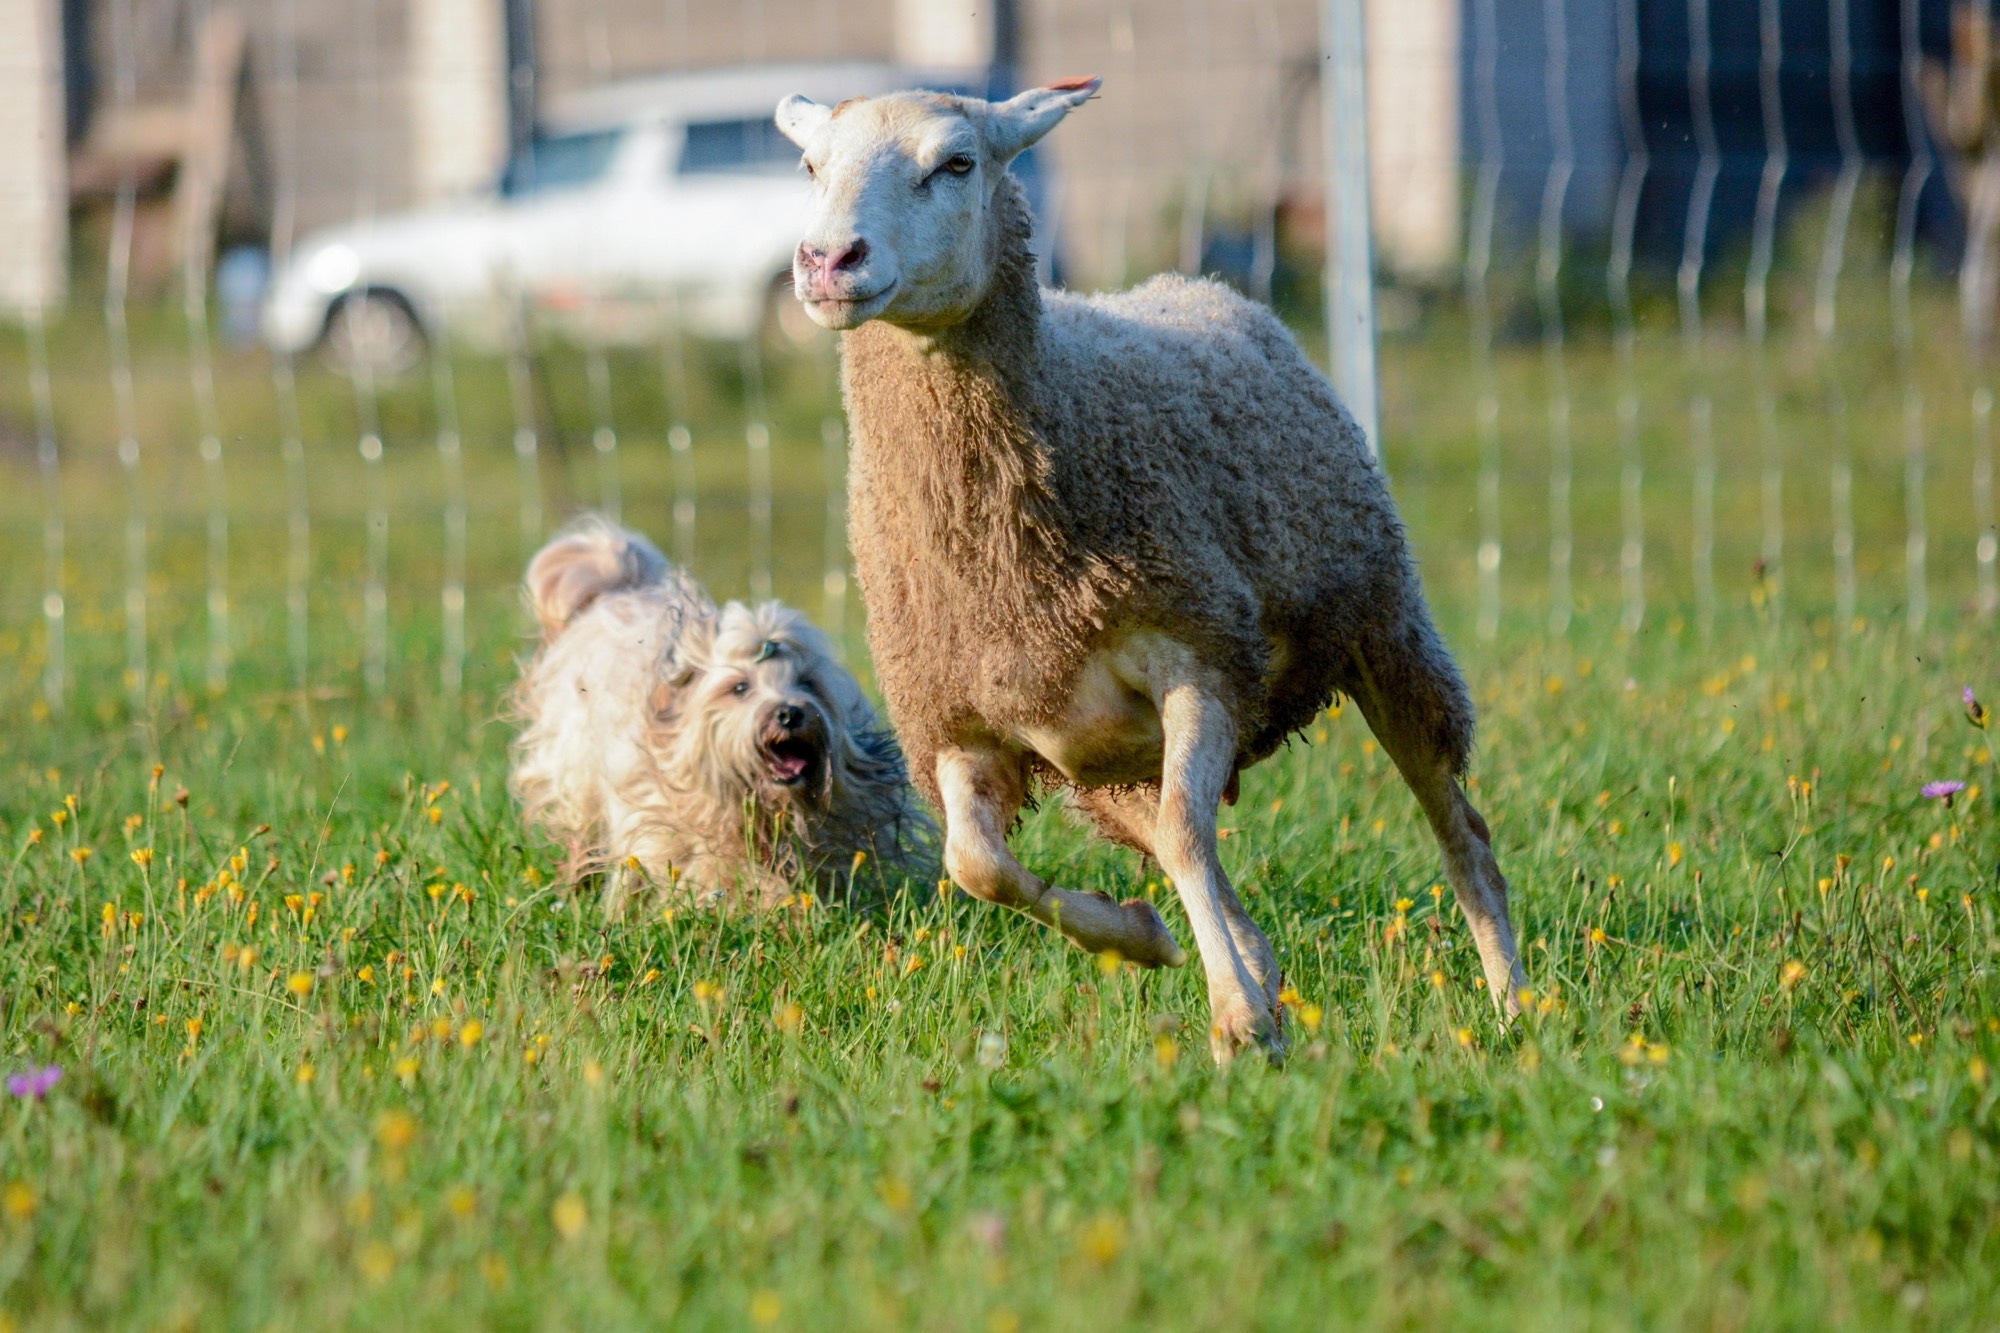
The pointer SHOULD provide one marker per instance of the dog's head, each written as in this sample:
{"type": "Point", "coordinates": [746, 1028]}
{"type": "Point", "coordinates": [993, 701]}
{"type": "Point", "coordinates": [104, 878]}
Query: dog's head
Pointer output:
{"type": "Point", "coordinates": [756, 705]}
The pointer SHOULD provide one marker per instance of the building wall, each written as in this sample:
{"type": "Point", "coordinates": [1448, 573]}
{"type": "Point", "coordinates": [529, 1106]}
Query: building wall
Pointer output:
{"type": "Point", "coordinates": [1208, 119]}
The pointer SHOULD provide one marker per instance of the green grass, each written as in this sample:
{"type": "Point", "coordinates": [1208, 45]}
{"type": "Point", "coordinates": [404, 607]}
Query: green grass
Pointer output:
{"type": "Point", "coordinates": [1756, 1088]}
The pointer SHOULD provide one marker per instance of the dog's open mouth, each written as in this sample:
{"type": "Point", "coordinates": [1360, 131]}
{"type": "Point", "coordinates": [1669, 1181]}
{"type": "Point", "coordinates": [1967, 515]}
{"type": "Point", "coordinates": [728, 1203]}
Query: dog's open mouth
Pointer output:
{"type": "Point", "coordinates": [792, 760]}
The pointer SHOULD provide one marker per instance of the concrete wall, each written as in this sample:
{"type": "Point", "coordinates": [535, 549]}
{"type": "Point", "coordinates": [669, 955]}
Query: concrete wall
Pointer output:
{"type": "Point", "coordinates": [458, 116]}
{"type": "Point", "coordinates": [33, 183]}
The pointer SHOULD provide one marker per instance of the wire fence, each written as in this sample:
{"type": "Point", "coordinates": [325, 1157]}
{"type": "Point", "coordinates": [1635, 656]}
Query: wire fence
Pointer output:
{"type": "Point", "coordinates": [1630, 378]}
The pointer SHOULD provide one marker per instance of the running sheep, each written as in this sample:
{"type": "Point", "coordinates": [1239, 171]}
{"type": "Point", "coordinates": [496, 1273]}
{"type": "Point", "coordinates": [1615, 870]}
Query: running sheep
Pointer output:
{"type": "Point", "coordinates": [1123, 545]}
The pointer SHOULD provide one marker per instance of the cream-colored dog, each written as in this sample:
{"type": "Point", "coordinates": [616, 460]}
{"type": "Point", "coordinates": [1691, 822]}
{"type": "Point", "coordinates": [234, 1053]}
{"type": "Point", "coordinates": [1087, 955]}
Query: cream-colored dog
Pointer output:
{"type": "Point", "coordinates": [723, 752]}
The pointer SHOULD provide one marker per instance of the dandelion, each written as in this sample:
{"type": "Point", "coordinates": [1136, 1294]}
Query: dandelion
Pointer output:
{"type": "Point", "coordinates": [569, 1215]}
{"type": "Point", "coordinates": [377, 1261]}
{"type": "Point", "coordinates": [1108, 961]}
{"type": "Point", "coordinates": [765, 1307]}
{"type": "Point", "coordinates": [35, 1083]}
{"type": "Point", "coordinates": [81, 854]}
{"type": "Point", "coordinates": [1674, 854]}
{"type": "Point", "coordinates": [142, 857]}
{"type": "Point", "coordinates": [19, 1200]}
{"type": "Point", "coordinates": [395, 1130]}
{"type": "Point", "coordinates": [1309, 1016]}
{"type": "Point", "coordinates": [469, 1035]}
{"type": "Point", "coordinates": [1103, 1239]}
{"type": "Point", "coordinates": [593, 1073]}
{"type": "Point", "coordinates": [299, 984]}
{"type": "Point", "coordinates": [306, 1074]}
{"type": "Point", "coordinates": [1464, 1036]}
{"type": "Point", "coordinates": [1792, 974]}
{"type": "Point", "coordinates": [1165, 1051]}
{"type": "Point", "coordinates": [1943, 791]}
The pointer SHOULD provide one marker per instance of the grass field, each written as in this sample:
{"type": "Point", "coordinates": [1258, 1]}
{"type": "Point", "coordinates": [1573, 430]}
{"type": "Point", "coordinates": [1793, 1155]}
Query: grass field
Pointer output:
{"type": "Point", "coordinates": [336, 1051]}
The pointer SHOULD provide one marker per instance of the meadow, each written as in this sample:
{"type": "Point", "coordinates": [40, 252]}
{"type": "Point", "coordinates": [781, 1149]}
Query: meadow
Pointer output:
{"type": "Point", "coordinates": [336, 1048]}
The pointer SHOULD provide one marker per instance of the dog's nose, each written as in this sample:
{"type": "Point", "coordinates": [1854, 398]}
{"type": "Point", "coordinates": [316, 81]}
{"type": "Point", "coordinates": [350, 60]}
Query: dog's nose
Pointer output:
{"type": "Point", "coordinates": [790, 716]}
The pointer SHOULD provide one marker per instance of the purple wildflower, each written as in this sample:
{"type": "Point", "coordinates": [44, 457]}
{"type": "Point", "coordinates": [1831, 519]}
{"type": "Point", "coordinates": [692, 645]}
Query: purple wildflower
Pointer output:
{"type": "Point", "coordinates": [1975, 711]}
{"type": "Point", "coordinates": [1943, 791]}
{"type": "Point", "coordinates": [35, 1083]}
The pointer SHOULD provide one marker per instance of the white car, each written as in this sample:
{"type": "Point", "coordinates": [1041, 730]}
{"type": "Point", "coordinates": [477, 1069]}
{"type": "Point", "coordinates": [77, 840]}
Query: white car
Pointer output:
{"type": "Point", "coordinates": [667, 198]}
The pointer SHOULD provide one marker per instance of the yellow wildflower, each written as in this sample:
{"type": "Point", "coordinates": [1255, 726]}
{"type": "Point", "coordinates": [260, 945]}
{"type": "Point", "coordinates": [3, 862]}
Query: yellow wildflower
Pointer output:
{"type": "Point", "coordinates": [569, 1216]}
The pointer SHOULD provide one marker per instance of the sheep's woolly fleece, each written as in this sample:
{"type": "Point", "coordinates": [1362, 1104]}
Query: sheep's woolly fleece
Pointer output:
{"type": "Point", "coordinates": [1159, 458]}
{"type": "Point", "coordinates": [650, 733]}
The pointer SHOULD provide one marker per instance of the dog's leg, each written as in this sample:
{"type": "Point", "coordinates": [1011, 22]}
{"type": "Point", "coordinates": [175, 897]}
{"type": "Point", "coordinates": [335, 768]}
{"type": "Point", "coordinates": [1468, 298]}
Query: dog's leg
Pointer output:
{"type": "Point", "coordinates": [1462, 836]}
{"type": "Point", "coordinates": [982, 793]}
{"type": "Point", "coordinates": [1199, 740]}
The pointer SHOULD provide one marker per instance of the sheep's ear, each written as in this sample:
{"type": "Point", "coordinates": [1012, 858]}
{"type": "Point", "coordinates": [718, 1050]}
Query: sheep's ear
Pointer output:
{"type": "Point", "coordinates": [1014, 125]}
{"type": "Point", "coordinates": [799, 118]}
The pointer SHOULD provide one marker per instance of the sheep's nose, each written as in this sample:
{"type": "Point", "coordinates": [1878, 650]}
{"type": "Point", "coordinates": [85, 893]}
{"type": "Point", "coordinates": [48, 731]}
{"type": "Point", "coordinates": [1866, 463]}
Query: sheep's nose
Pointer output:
{"type": "Point", "coordinates": [790, 716]}
{"type": "Point", "coordinates": [820, 257]}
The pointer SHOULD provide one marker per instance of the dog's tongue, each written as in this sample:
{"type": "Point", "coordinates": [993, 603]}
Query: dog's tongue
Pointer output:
{"type": "Point", "coordinates": [787, 766]}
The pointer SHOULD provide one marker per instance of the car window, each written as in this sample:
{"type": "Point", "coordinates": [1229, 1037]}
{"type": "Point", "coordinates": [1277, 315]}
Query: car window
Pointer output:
{"type": "Point", "coordinates": [752, 144]}
{"type": "Point", "coordinates": [560, 162]}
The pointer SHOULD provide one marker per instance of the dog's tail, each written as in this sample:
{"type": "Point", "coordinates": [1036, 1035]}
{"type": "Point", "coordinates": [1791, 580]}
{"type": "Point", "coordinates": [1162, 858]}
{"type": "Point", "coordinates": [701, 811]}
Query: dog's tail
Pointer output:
{"type": "Point", "coordinates": [591, 557]}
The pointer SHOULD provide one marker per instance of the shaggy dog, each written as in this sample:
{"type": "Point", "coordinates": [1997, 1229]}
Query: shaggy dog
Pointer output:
{"type": "Point", "coordinates": [724, 752]}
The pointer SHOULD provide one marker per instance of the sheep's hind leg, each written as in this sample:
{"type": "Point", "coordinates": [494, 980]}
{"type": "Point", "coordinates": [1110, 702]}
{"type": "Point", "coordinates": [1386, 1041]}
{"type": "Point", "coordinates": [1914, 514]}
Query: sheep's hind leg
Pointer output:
{"type": "Point", "coordinates": [982, 793]}
{"type": "Point", "coordinates": [1462, 836]}
{"type": "Point", "coordinates": [1131, 815]}
{"type": "Point", "coordinates": [1200, 744]}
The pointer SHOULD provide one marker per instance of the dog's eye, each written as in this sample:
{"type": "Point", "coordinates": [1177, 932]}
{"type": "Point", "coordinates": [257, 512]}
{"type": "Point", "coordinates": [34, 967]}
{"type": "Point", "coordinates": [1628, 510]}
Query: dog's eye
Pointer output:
{"type": "Point", "coordinates": [740, 687]}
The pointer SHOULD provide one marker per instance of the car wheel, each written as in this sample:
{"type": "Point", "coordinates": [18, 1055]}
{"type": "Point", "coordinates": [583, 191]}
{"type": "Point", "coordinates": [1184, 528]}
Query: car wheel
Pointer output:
{"type": "Point", "coordinates": [786, 323]}
{"type": "Point", "coordinates": [372, 331]}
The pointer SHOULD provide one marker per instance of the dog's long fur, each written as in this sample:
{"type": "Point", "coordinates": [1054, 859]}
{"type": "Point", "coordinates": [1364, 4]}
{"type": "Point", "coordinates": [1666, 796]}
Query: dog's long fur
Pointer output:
{"type": "Point", "coordinates": [724, 751]}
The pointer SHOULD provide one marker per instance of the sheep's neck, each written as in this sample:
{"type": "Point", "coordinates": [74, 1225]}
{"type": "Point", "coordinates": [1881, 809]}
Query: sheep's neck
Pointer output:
{"type": "Point", "coordinates": [946, 428]}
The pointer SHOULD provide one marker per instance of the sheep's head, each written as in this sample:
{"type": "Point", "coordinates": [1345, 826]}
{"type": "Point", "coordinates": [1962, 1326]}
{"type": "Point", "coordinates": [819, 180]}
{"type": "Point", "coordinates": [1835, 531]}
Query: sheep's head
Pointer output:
{"type": "Point", "coordinates": [902, 223]}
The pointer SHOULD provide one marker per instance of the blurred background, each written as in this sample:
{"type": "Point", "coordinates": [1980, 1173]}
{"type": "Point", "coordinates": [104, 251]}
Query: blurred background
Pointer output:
{"type": "Point", "coordinates": [316, 316]}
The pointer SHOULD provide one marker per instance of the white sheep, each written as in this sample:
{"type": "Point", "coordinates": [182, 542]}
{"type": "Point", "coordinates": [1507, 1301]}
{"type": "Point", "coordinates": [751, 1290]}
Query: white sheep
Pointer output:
{"type": "Point", "coordinates": [1122, 544]}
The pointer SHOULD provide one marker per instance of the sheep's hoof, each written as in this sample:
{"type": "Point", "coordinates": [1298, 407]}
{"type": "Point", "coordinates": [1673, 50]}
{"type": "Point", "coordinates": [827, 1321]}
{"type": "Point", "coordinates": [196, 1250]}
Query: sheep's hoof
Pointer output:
{"type": "Point", "coordinates": [1239, 1024]}
{"type": "Point", "coordinates": [1151, 944]}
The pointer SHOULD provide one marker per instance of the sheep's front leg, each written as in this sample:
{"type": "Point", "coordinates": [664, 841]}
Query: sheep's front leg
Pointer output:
{"type": "Point", "coordinates": [982, 792]}
{"type": "Point", "coordinates": [1199, 740]}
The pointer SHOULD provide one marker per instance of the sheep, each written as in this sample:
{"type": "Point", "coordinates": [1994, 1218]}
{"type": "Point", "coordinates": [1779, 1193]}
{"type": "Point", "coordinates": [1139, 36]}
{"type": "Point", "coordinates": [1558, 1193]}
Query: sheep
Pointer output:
{"type": "Point", "coordinates": [1118, 545]}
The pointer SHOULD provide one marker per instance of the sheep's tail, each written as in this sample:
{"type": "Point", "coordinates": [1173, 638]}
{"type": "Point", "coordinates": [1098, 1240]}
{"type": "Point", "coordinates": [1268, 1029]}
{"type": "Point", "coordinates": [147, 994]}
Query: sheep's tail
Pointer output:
{"type": "Point", "coordinates": [591, 557]}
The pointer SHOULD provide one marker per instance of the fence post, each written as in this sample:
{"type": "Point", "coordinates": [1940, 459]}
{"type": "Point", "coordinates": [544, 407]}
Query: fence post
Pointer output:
{"type": "Point", "coordinates": [1350, 259]}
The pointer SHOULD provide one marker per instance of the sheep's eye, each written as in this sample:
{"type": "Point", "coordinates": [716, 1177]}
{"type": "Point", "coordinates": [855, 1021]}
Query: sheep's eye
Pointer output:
{"type": "Point", "coordinates": [958, 164]}
{"type": "Point", "coordinates": [740, 687]}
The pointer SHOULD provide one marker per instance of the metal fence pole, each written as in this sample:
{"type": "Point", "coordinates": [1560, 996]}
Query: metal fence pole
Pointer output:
{"type": "Point", "coordinates": [1350, 260]}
